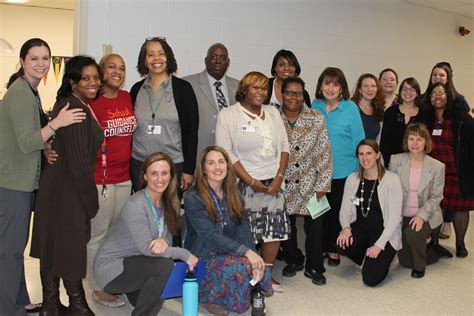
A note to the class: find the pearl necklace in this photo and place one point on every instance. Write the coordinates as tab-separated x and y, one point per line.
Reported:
361	198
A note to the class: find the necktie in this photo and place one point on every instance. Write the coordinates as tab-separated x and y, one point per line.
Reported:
221	102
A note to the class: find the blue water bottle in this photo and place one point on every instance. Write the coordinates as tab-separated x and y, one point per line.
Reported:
190	295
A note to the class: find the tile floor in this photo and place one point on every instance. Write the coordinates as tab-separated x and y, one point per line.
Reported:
446	289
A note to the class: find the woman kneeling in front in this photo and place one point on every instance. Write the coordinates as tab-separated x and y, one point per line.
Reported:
371	215
219	232
422	180
135	258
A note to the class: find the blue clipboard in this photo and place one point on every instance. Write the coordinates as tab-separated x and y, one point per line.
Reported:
174	286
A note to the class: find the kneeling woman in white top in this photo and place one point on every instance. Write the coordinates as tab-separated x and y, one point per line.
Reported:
422	180
371	215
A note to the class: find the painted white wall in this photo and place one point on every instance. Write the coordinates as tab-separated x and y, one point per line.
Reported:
356	35
18	24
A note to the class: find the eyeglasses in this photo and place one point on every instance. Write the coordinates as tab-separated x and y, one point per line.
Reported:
296	94
388	79
408	89
438	95
218	58
155	38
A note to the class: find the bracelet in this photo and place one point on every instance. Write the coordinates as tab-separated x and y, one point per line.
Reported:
251	183
280	175
54	131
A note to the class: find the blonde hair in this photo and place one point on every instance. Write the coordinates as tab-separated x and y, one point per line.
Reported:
253	78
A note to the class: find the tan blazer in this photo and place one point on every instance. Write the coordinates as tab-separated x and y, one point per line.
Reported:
430	190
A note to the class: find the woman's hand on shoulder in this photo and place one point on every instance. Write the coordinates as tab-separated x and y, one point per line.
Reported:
158	246
192	261
68	117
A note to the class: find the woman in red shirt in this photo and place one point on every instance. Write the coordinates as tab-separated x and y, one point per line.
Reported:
114	113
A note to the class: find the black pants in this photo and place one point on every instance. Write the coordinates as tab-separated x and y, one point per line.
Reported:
415	253
331	226
313	229
374	270
142	280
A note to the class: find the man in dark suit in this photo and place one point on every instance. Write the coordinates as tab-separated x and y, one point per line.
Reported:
214	91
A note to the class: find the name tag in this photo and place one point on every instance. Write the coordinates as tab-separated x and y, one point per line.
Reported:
154	130
355	200
248	129
437	132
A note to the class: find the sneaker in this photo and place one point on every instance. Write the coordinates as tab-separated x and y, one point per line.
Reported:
316	277
257	301
291	269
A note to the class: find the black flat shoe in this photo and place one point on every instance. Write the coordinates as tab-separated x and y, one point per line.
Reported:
442	252
316	277
461	251
334	262
417	274
35	309
291	269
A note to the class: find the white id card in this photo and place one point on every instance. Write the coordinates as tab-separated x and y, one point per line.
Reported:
355	200
437	132
248	129
154	130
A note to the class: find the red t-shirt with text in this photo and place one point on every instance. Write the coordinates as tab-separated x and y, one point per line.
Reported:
118	122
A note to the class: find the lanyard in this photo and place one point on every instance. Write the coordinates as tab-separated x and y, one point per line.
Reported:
220	211
157	215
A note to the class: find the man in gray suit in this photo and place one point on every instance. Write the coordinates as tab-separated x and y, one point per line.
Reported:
214	91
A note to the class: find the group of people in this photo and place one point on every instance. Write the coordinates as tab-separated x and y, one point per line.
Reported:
247	156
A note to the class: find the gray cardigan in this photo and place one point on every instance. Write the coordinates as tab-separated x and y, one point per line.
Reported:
20	139
130	236
430	189
390	197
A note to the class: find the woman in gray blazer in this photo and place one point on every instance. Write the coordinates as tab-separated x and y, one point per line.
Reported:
422	179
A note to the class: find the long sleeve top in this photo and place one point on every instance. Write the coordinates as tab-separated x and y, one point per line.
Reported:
130	236
390	195
205	237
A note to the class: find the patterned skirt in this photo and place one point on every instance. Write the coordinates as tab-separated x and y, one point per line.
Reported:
268	219
227	283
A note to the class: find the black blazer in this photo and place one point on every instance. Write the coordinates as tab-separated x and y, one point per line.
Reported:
188	115
307	99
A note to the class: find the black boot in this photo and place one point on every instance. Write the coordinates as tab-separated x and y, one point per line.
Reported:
51	303
77	299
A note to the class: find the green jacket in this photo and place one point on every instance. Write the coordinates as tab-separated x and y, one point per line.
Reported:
20	139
